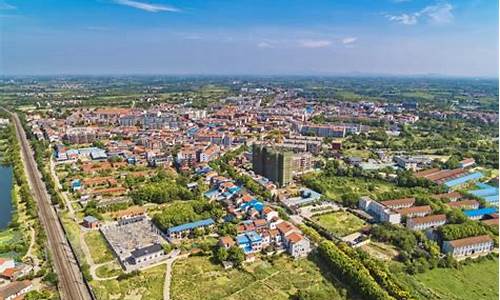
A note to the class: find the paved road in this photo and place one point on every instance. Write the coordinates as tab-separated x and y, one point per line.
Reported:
71	285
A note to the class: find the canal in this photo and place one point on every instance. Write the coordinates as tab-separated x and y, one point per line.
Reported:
6	177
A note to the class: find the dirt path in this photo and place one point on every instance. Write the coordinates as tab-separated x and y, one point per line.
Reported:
168	273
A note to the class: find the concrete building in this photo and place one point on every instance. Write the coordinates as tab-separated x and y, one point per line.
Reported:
274	164
415	211
422	223
90	222
399	203
148	254
475	245
478	214
185	230
465	204
297	245
15	290
379	211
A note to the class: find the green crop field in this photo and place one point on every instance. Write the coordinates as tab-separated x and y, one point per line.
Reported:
475	281
198	278
340	223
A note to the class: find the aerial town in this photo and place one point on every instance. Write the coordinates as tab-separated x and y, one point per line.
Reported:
267	179
249	150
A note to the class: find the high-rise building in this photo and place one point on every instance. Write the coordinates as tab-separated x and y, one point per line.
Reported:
272	163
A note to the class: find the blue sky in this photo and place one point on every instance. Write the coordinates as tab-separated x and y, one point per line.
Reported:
249	37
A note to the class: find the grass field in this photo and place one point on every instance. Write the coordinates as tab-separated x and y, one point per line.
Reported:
198	278
148	285
7	236
475	281
109	270
337	186
340	223
97	246
380	250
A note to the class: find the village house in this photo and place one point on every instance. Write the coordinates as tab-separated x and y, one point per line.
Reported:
15	290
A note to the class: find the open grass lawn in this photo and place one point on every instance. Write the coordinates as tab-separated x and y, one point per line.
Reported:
336	186
358	153
148	285
73	234
198	278
109	270
97	246
475	281
340	223
381	251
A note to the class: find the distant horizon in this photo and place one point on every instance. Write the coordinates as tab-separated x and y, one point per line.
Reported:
311	75
395	37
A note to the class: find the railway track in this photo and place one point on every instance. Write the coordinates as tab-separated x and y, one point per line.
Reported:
70	279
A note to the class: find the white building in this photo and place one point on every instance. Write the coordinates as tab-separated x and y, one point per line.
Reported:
422	223
382	213
15	290
298	245
482	244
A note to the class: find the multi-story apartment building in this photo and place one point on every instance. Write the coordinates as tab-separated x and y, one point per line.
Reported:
274	164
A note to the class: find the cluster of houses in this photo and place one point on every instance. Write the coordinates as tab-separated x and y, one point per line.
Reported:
259	225
11	273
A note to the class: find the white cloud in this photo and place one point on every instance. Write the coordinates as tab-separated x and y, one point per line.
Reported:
265	45
404	19
314	43
439	14
349	40
150	7
6	6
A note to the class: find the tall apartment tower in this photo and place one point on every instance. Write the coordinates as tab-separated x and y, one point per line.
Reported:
276	165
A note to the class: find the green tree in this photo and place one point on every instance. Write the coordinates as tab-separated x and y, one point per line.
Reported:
236	255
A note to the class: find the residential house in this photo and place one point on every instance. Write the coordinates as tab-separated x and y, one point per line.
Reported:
15	290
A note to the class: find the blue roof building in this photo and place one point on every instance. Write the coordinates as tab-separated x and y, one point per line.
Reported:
475	214
463	179
76	184
486	192
259	206
190	226
250	241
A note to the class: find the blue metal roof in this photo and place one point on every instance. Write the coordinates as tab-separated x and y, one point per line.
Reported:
480	212
192	225
486	192
242	239
90	219
463	179
254	236
493	198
